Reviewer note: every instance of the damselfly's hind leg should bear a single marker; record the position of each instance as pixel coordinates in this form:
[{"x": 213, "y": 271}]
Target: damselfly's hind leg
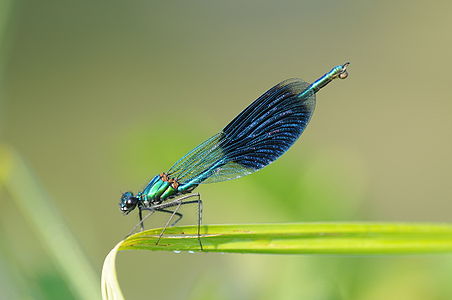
[
  {"x": 169, "y": 220},
  {"x": 175, "y": 212},
  {"x": 177, "y": 203}
]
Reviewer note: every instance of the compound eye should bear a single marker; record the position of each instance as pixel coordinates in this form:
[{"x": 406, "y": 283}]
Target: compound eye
[{"x": 130, "y": 202}]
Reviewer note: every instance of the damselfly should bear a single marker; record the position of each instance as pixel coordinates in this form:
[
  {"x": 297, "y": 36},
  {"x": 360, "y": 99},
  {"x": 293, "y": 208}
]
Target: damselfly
[{"x": 260, "y": 134}]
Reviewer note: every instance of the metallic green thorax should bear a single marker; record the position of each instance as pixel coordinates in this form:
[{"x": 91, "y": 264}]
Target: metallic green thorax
[{"x": 161, "y": 187}]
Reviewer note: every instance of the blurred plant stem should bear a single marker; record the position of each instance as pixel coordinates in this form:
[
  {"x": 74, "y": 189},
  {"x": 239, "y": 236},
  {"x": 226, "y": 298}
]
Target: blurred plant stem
[
  {"x": 110, "y": 285},
  {"x": 48, "y": 224},
  {"x": 6, "y": 7}
]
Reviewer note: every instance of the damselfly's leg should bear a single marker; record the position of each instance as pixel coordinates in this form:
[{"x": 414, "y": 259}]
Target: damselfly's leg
[
  {"x": 161, "y": 207},
  {"x": 167, "y": 222},
  {"x": 178, "y": 214},
  {"x": 180, "y": 201},
  {"x": 140, "y": 214},
  {"x": 199, "y": 201},
  {"x": 141, "y": 223}
]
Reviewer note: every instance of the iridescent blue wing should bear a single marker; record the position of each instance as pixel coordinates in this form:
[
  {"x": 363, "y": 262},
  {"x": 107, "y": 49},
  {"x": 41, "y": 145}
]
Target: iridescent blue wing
[{"x": 256, "y": 137}]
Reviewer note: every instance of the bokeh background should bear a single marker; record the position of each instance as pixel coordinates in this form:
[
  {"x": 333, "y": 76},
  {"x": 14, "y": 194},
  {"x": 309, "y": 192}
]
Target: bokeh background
[{"x": 97, "y": 97}]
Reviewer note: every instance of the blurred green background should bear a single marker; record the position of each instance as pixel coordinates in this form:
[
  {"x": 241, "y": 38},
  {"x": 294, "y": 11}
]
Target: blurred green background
[{"x": 99, "y": 96}]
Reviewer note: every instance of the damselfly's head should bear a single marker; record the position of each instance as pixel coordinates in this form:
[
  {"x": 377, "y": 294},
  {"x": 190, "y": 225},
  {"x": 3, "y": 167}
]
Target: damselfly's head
[{"x": 128, "y": 202}]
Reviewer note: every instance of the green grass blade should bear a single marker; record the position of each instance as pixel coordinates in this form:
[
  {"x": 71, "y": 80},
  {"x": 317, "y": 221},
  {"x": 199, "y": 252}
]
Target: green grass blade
[
  {"x": 308, "y": 238},
  {"x": 6, "y": 15},
  {"x": 48, "y": 224},
  {"x": 110, "y": 286},
  {"x": 298, "y": 238}
]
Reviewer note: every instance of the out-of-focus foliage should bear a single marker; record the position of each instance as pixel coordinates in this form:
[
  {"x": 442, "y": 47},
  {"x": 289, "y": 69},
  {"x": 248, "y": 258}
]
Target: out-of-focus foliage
[
  {"x": 98, "y": 97},
  {"x": 49, "y": 228}
]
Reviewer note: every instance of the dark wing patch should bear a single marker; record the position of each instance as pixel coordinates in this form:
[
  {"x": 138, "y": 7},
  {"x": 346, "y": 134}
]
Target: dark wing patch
[{"x": 256, "y": 137}]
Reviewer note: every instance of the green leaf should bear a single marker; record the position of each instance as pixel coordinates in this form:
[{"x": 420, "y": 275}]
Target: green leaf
[
  {"x": 308, "y": 238},
  {"x": 110, "y": 287},
  {"x": 299, "y": 238}
]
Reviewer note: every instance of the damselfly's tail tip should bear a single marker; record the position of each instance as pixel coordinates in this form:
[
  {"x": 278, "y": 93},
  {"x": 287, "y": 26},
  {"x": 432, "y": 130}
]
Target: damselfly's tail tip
[{"x": 344, "y": 73}]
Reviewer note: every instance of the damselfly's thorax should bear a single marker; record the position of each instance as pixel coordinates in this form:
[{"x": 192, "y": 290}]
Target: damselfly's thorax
[
  {"x": 173, "y": 182},
  {"x": 160, "y": 188}
]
